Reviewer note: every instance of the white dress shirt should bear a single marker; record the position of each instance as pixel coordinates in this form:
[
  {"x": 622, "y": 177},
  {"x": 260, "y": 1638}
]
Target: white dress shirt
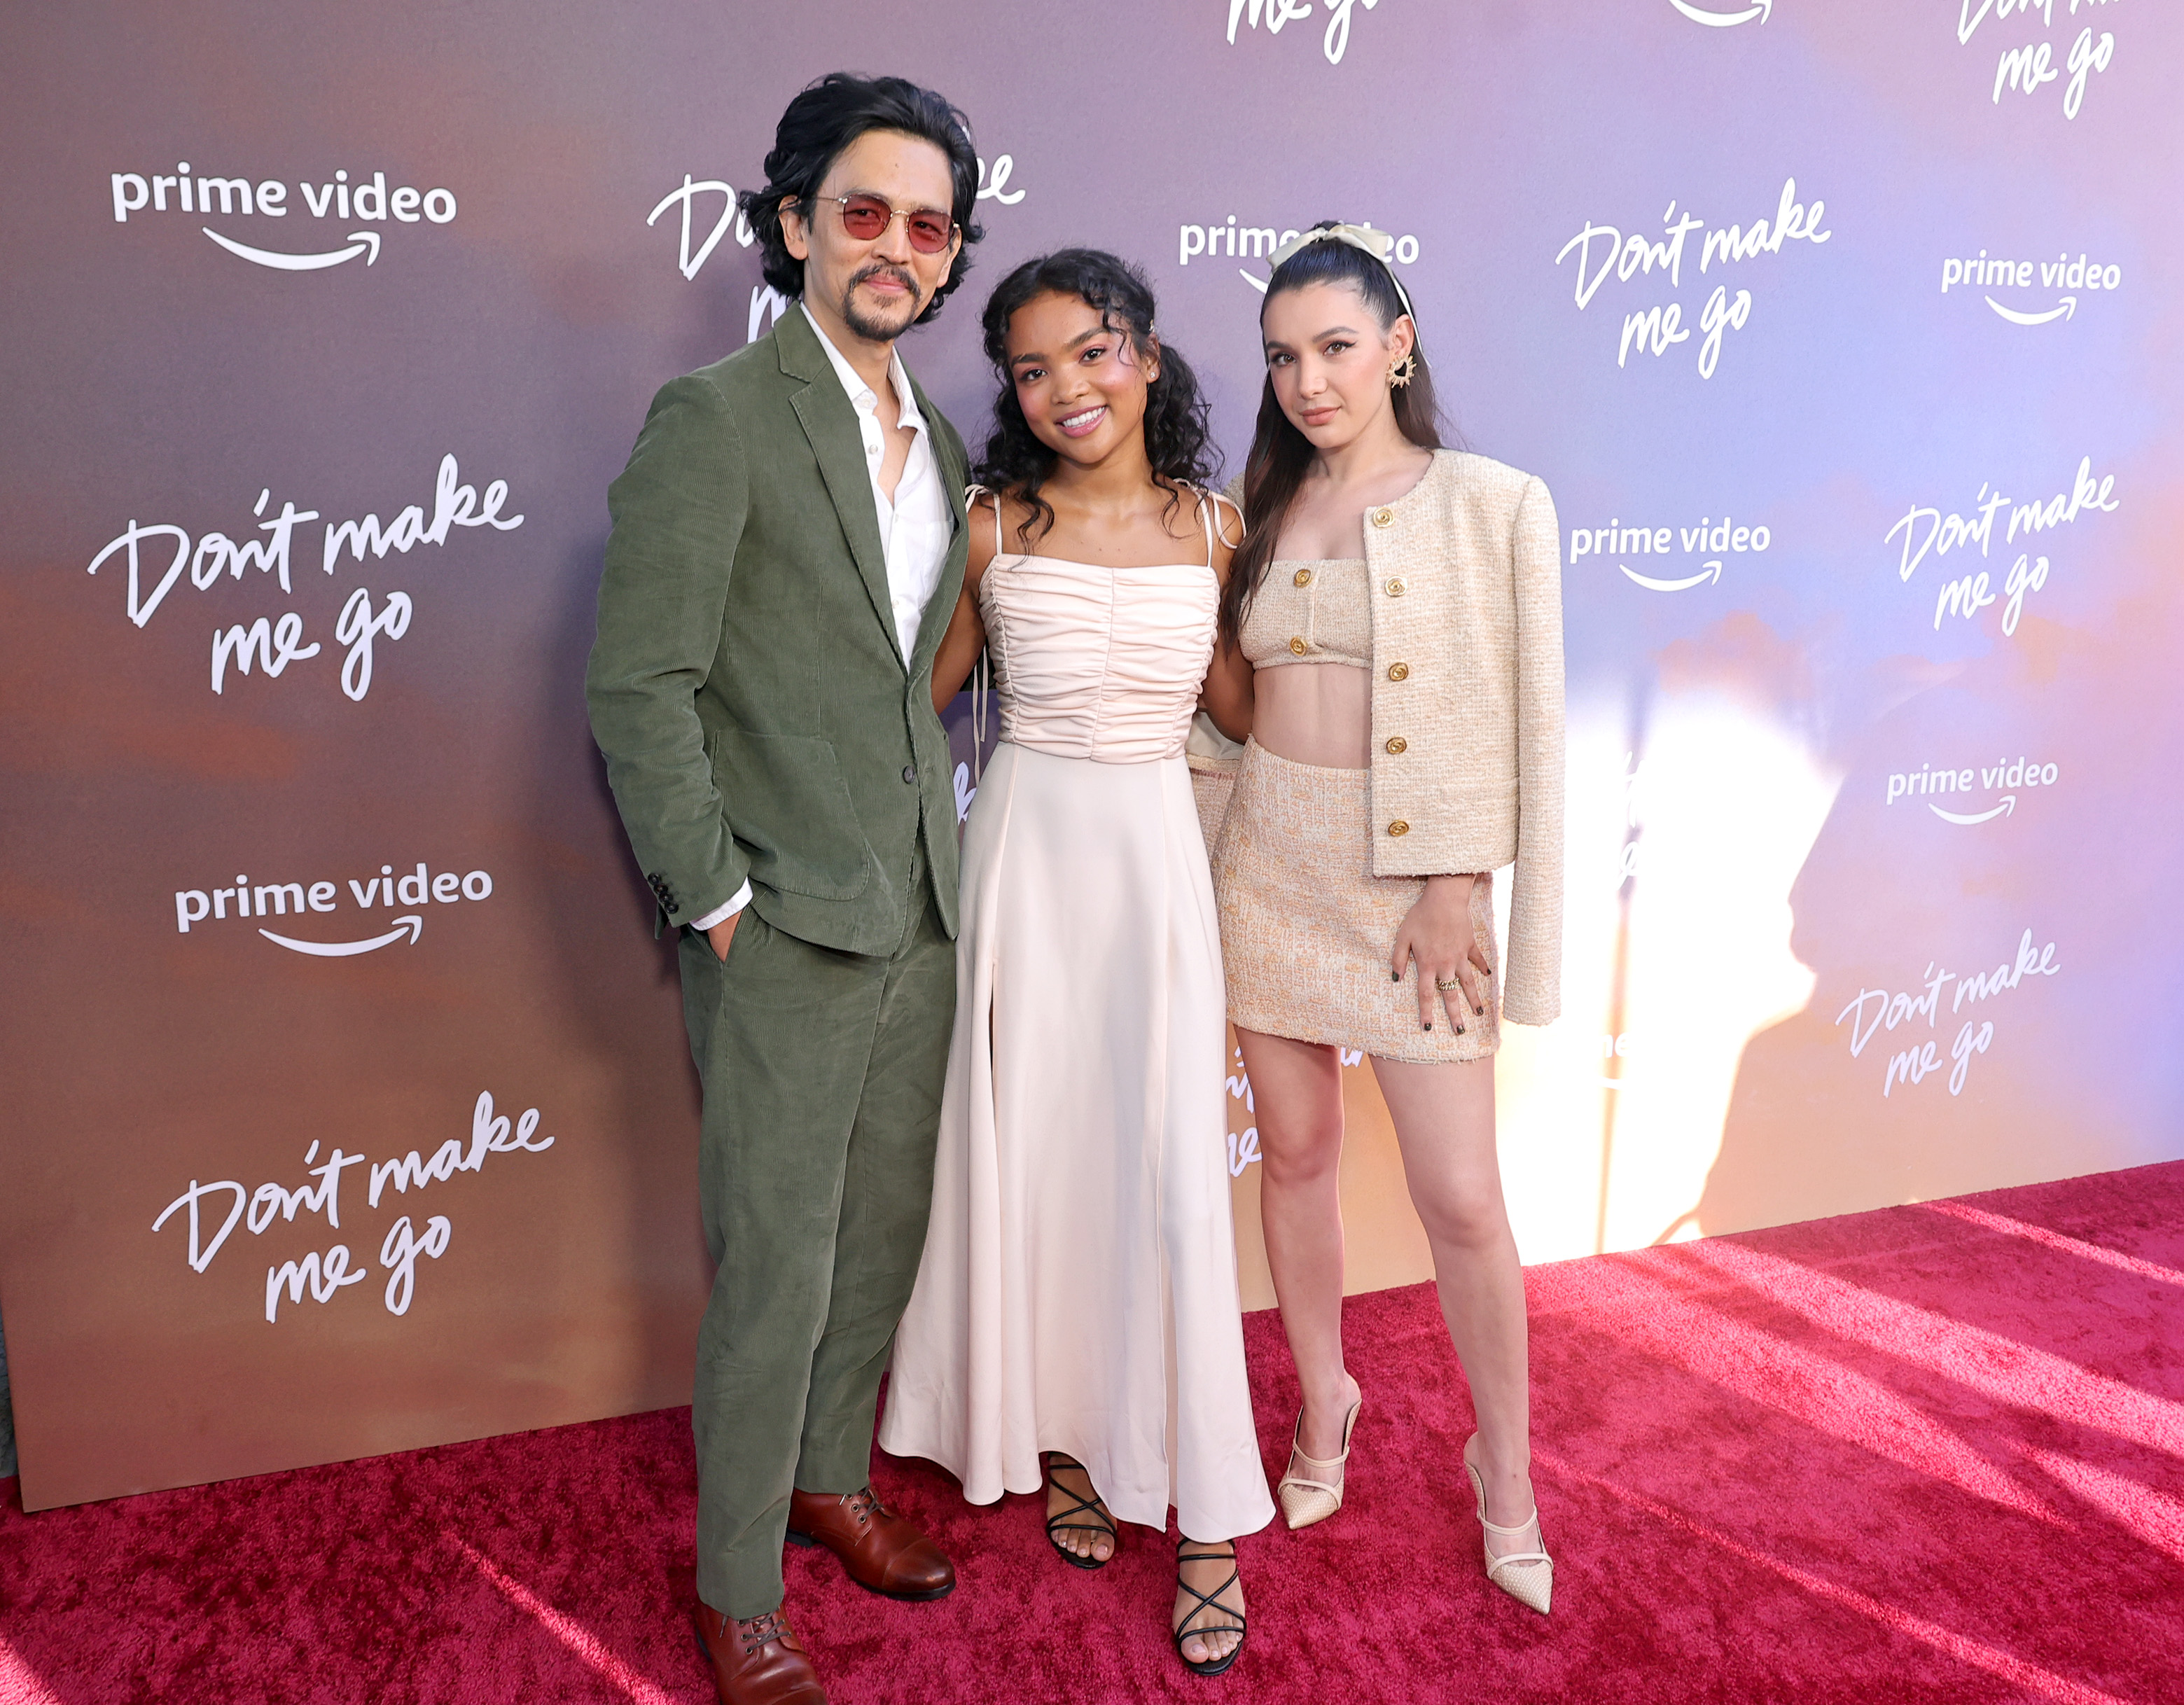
[{"x": 915, "y": 529}]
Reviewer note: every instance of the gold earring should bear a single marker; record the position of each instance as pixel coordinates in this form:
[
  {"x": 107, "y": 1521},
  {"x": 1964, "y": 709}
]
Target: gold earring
[{"x": 1402, "y": 373}]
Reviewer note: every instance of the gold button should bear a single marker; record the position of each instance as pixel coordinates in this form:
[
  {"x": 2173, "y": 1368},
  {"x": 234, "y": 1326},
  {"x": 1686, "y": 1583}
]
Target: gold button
[
  {"x": 1395, "y": 588},
  {"x": 1298, "y": 645},
  {"x": 1304, "y": 576},
  {"x": 1383, "y": 516},
  {"x": 1399, "y": 671},
  {"x": 1399, "y": 827},
  {"x": 1398, "y": 744}
]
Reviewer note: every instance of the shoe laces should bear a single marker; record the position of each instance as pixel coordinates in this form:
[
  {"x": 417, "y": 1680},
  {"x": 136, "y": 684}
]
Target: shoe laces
[
  {"x": 862, "y": 1506},
  {"x": 759, "y": 1629}
]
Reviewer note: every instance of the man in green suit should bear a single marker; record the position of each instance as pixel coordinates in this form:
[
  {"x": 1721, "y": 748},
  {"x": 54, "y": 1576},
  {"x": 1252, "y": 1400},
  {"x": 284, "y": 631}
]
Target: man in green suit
[{"x": 788, "y": 545}]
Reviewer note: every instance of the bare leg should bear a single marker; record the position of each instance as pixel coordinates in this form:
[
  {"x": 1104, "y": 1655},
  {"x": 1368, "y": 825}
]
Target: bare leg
[
  {"x": 1296, "y": 1090},
  {"x": 1443, "y": 1116}
]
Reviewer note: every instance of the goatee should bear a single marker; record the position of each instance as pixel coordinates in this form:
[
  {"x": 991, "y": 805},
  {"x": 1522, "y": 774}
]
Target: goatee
[{"x": 871, "y": 327}]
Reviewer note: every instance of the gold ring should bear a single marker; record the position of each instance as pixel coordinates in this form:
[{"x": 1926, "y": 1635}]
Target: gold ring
[{"x": 1452, "y": 982}]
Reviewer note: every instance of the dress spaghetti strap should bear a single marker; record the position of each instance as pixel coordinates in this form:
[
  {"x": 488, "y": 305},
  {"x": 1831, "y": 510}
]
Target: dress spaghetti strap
[
  {"x": 972, "y": 494},
  {"x": 1210, "y": 505}
]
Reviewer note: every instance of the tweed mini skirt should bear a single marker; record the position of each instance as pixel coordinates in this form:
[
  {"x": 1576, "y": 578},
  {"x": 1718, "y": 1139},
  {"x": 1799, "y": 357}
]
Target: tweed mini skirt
[{"x": 1306, "y": 929}]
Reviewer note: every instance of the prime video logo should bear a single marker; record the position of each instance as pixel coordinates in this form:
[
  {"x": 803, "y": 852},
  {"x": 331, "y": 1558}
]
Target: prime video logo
[
  {"x": 1228, "y": 239},
  {"x": 194, "y": 905},
  {"x": 365, "y": 201}
]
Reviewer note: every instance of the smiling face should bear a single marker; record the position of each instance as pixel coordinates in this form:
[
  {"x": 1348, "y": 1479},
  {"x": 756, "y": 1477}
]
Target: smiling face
[
  {"x": 875, "y": 288},
  {"x": 1329, "y": 360},
  {"x": 1081, "y": 386}
]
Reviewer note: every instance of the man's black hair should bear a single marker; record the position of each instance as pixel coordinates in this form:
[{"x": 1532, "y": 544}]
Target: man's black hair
[{"x": 825, "y": 119}]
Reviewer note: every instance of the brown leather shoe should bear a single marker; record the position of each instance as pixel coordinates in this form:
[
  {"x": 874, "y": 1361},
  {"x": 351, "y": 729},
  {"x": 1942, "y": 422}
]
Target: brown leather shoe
[
  {"x": 758, "y": 1660},
  {"x": 880, "y": 1551}
]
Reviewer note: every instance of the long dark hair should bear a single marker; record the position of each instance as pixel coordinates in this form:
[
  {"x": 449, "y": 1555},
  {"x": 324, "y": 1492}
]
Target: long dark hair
[
  {"x": 1281, "y": 454},
  {"x": 825, "y": 119},
  {"x": 1178, "y": 438}
]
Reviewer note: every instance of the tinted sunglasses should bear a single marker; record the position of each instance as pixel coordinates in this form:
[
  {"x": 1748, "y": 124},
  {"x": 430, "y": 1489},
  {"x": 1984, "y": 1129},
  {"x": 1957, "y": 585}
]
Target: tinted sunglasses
[{"x": 864, "y": 217}]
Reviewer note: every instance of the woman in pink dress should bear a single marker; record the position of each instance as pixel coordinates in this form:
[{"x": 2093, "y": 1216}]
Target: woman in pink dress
[{"x": 1076, "y": 1322}]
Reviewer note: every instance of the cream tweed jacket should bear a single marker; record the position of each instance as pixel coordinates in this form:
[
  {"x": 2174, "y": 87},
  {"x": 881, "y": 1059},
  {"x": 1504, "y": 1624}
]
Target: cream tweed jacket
[{"x": 1465, "y": 572}]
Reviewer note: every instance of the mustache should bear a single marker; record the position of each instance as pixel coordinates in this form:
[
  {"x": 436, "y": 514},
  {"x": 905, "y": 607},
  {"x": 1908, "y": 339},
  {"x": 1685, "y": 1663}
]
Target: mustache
[{"x": 884, "y": 270}]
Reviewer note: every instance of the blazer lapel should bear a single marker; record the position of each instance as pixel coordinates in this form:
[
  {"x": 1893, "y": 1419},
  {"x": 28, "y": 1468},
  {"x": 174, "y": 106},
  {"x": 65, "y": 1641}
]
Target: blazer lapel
[{"x": 830, "y": 422}]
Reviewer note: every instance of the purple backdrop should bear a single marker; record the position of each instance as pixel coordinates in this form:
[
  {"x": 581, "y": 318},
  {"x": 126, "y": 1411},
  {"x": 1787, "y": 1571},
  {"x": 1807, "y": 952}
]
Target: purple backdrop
[{"x": 1847, "y": 338}]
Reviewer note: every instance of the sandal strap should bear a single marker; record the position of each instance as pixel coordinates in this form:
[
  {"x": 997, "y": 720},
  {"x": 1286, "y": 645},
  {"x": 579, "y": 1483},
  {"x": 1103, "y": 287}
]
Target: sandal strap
[
  {"x": 1208, "y": 1601},
  {"x": 1086, "y": 1507},
  {"x": 1496, "y": 1561},
  {"x": 1059, "y": 1521},
  {"x": 1332, "y": 1491},
  {"x": 1349, "y": 1426}
]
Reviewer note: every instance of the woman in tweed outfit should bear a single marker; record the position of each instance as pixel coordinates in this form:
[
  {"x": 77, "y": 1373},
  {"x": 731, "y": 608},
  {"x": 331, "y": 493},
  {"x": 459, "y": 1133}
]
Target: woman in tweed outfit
[{"x": 1397, "y": 608}]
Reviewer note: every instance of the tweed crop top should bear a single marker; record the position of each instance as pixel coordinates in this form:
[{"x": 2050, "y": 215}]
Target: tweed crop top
[{"x": 1311, "y": 612}]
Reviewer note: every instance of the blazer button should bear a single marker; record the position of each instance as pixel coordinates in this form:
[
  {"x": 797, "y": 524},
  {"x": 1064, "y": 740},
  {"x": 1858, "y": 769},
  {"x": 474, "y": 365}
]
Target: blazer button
[
  {"x": 1399, "y": 671},
  {"x": 1298, "y": 645},
  {"x": 910, "y": 774},
  {"x": 1303, "y": 576},
  {"x": 1397, "y": 743},
  {"x": 1395, "y": 588},
  {"x": 1383, "y": 516},
  {"x": 1399, "y": 827}
]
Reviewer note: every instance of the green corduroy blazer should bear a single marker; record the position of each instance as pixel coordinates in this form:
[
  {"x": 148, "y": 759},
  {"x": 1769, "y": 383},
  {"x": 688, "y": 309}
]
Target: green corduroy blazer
[{"x": 747, "y": 687}]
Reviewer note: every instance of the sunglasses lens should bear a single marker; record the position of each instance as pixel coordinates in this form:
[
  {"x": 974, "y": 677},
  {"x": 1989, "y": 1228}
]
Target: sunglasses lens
[
  {"x": 928, "y": 233},
  {"x": 864, "y": 217}
]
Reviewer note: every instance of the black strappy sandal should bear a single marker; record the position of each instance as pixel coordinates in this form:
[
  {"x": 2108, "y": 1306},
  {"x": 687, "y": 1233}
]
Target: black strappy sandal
[
  {"x": 1061, "y": 1523},
  {"x": 1225, "y": 1551}
]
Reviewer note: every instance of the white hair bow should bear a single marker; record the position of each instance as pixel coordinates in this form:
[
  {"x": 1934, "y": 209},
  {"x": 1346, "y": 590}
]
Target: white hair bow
[{"x": 1377, "y": 244}]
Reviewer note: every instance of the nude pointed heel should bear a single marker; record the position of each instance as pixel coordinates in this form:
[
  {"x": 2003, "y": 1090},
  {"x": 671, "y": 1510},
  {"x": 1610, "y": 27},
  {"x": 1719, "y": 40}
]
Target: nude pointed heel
[
  {"x": 1527, "y": 1576},
  {"x": 1304, "y": 1499}
]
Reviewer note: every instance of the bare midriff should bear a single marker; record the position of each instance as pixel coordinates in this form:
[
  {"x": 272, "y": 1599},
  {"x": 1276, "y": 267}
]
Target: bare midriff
[{"x": 1315, "y": 713}]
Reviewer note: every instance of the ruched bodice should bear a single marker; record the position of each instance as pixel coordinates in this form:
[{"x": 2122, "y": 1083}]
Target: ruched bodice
[{"x": 1097, "y": 662}]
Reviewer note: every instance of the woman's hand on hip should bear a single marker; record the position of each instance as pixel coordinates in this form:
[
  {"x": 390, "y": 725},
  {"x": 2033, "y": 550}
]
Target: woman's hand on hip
[{"x": 1438, "y": 934}]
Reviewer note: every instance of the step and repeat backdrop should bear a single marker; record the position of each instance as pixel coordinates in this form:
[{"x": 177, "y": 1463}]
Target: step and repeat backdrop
[{"x": 348, "y": 1106}]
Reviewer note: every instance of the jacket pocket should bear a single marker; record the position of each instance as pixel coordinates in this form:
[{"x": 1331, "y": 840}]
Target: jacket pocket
[{"x": 790, "y": 810}]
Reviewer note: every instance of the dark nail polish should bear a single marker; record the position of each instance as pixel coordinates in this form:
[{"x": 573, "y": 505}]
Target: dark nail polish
[
  {"x": 1429, "y": 1024},
  {"x": 1395, "y": 977},
  {"x": 1459, "y": 1029}
]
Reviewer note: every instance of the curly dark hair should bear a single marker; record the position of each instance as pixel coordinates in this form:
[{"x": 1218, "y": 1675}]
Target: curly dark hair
[
  {"x": 1179, "y": 438},
  {"x": 825, "y": 119},
  {"x": 1280, "y": 455}
]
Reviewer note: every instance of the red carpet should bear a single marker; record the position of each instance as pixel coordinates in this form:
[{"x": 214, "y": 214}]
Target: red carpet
[{"x": 1931, "y": 1453}]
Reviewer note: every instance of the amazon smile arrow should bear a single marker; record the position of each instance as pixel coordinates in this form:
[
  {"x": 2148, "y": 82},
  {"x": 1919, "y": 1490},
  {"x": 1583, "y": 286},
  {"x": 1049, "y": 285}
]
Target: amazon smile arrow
[
  {"x": 2067, "y": 309},
  {"x": 1722, "y": 20},
  {"x": 411, "y": 926},
  {"x": 1712, "y": 571},
  {"x": 2007, "y": 807},
  {"x": 358, "y": 242}
]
